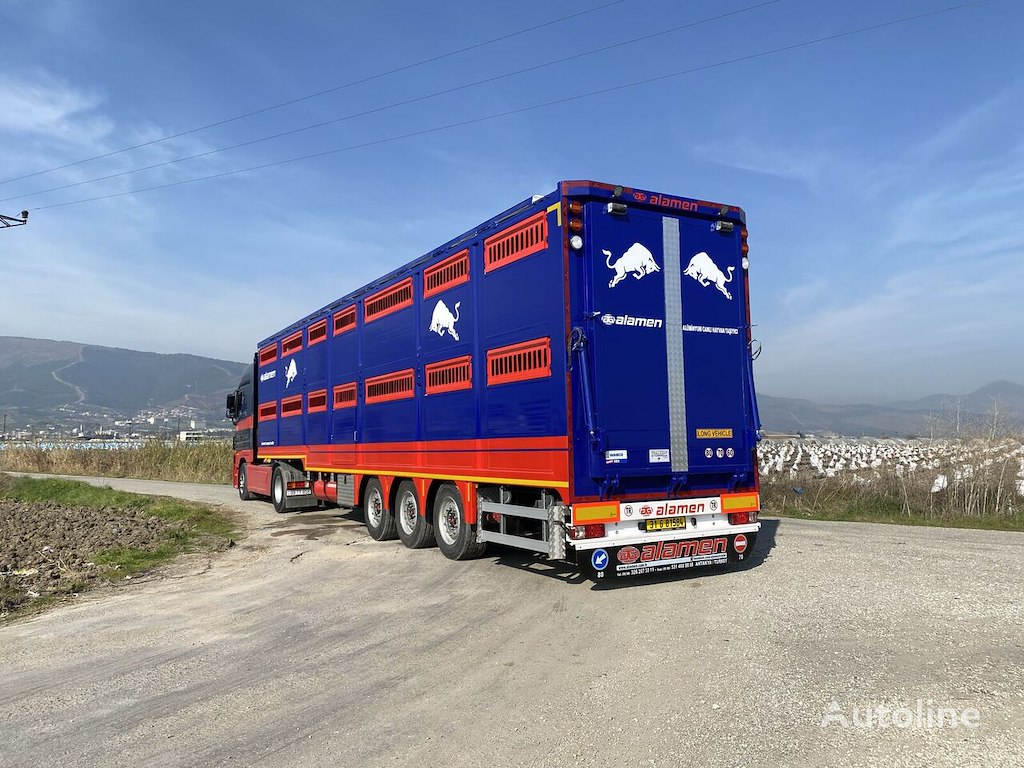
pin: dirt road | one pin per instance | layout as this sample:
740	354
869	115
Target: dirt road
312	645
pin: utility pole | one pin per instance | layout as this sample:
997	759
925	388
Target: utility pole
12	221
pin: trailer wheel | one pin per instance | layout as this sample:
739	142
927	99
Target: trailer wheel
380	522
414	529
243	483
278	495
455	537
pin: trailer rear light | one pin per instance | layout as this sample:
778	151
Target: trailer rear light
742	518
617	209
575	208
295	484
575	225
576	242
588	531
724	226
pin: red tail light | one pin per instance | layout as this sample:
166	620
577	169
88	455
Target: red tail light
742	518
298	484
588	531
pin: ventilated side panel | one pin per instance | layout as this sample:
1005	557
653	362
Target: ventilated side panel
391	386
449	375
292	344
517	242
345	320
316	333
519	362
316	401
389	300
291	406
446	274
268	411
345	396
268	354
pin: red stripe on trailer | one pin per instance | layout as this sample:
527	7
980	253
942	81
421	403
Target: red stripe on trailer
533	460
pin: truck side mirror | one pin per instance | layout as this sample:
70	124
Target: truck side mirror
230	407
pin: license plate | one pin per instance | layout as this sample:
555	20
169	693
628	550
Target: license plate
665	524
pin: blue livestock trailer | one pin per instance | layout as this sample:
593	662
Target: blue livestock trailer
571	377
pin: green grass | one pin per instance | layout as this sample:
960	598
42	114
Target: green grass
191	527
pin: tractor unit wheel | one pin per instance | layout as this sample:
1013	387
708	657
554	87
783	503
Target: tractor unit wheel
278	490
243	483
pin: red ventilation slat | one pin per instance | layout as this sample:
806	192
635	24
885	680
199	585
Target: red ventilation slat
345	320
446	274
389	300
291	406
292	344
316	333
449	375
316	401
391	386
268	354
268	411
345	396
519	362
517	242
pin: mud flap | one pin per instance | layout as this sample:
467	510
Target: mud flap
665	556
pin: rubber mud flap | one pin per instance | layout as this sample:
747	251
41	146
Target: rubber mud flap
659	556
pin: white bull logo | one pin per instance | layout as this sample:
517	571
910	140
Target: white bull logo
702	269
443	320
636	261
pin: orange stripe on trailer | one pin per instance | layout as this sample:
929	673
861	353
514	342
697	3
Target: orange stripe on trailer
599	512
740	502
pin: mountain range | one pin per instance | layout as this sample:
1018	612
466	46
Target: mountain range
59	381
55	381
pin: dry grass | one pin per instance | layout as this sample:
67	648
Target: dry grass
986	496
181	462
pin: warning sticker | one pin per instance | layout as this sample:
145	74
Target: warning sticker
711	434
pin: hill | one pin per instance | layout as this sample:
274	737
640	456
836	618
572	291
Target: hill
998	406
40	378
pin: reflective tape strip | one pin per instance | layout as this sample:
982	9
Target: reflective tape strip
740	502
598	512
674	345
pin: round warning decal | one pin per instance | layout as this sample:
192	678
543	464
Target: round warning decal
740	543
599	559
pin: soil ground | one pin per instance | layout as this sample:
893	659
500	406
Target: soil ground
48	549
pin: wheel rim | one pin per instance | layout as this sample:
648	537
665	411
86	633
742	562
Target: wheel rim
279	490
241	480
375	508
408	512
450	521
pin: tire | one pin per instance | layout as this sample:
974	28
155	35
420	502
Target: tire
414	529
278	490
455	537
243	483
380	521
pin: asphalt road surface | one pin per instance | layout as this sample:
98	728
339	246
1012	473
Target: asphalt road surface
310	644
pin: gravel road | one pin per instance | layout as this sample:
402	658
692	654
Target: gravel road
310	644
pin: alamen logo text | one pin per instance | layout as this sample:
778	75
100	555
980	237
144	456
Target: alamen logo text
640	322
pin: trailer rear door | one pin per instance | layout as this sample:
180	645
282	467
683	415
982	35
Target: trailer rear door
663	305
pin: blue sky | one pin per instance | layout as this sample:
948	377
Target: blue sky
882	173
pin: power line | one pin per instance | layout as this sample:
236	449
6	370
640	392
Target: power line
324	92
435	94
532	107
